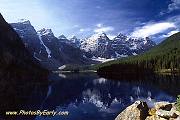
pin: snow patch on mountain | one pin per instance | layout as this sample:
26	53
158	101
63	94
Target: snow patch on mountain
47	49
102	60
92	43
120	55
134	53
34	55
46	32
62	67
23	21
121	46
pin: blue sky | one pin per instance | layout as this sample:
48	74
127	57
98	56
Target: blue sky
137	18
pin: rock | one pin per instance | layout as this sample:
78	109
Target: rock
178	118
137	111
159	105
166	110
154	117
167	107
166	114
140	111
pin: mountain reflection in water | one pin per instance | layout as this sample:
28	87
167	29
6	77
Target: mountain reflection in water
88	97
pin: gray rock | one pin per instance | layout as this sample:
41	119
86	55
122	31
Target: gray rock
140	111
159	105
137	111
166	114
166	110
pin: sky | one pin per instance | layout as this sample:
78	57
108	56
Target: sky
136	18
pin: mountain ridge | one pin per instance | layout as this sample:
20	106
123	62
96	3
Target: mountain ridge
121	46
50	51
14	55
47	48
164	56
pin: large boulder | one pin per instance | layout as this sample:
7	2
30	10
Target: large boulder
166	110
163	105
140	111
137	111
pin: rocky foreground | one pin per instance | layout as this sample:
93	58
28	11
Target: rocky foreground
140	111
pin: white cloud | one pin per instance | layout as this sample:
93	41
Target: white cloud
99	25
152	29
84	30
75	26
170	33
103	29
175	5
81	30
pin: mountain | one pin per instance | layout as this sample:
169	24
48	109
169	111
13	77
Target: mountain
61	51
121	46
75	41
33	43
53	52
50	51
19	72
62	37
16	61
14	56
28	34
98	45
163	57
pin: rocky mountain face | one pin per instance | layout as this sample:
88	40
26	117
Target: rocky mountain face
32	42
28	34
50	51
98	45
75	41
53	52
61	50
121	46
19	71
12	50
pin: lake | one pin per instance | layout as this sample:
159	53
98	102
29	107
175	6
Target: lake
86	96
89	97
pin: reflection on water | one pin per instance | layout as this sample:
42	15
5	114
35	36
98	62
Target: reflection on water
88	97
85	96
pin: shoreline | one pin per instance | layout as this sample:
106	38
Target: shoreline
68	71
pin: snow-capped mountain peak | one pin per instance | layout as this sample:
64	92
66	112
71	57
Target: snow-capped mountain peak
75	41
62	37
97	46
92	43
45	32
102	34
121	46
98	36
121	36
23	21
73	38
